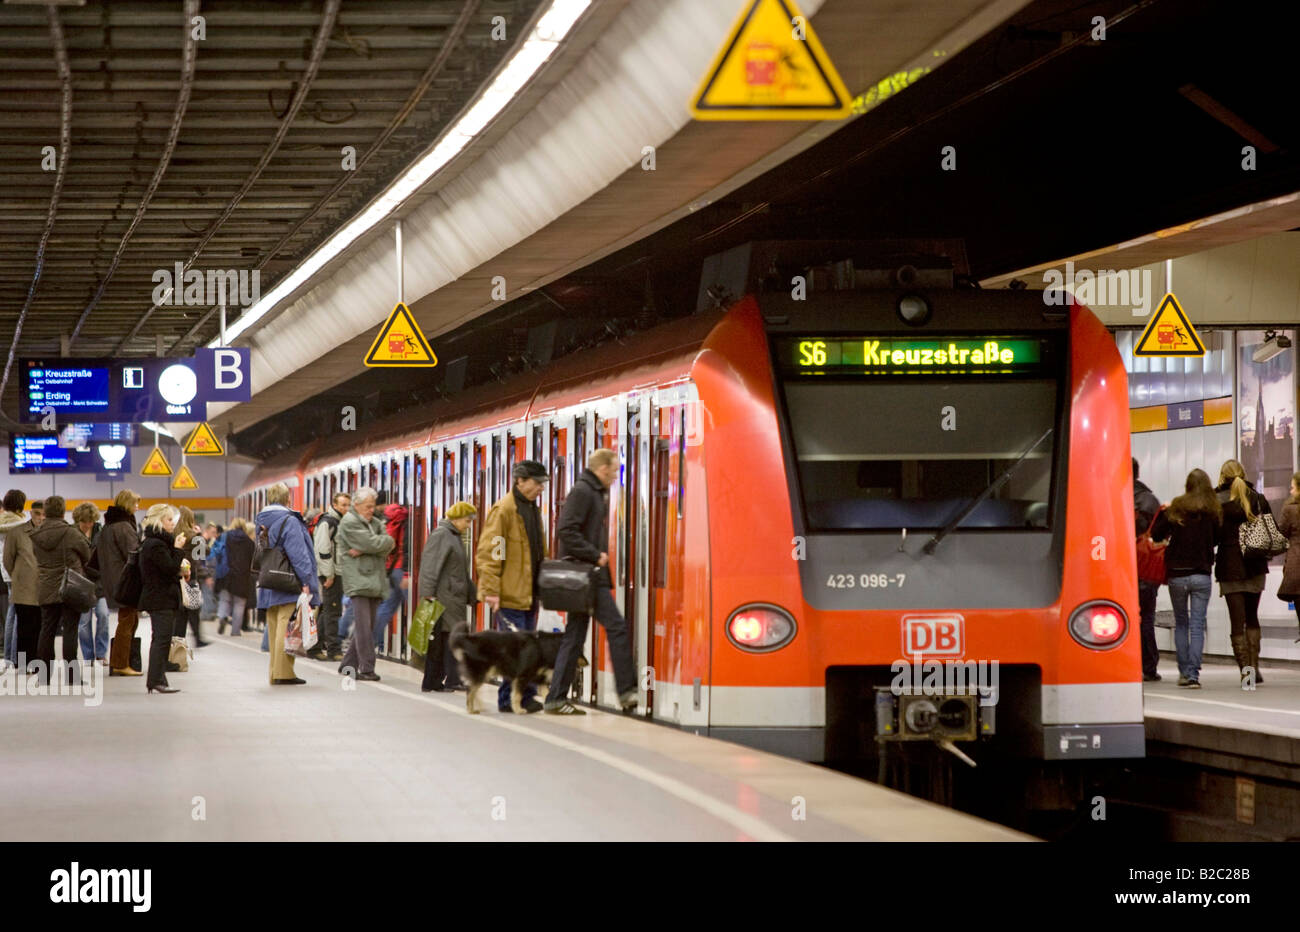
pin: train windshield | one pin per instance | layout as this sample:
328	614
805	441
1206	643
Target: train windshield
880	445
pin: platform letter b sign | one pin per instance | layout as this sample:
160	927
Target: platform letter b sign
227	374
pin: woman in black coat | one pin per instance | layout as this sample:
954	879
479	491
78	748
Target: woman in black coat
1241	578
161	554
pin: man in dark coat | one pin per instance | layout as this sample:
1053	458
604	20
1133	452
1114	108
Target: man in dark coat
1145	506
583	533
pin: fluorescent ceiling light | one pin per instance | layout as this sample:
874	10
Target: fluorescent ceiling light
546	36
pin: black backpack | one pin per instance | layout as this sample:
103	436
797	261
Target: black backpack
333	522
274	569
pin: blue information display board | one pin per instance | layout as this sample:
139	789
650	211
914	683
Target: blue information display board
67	389
83	435
42	453
135	390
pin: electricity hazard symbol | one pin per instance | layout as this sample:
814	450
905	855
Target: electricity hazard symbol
184	479
156	465
400	342
1169	333
203	442
771	67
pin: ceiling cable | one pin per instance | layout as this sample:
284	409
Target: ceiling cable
189	54
303	86
65	147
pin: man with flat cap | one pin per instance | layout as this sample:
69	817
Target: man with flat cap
510	552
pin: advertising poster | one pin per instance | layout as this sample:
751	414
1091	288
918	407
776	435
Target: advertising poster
1266	402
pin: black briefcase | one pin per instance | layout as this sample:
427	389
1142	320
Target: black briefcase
567	585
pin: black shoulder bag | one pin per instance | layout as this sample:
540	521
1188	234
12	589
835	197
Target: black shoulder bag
75	591
274	569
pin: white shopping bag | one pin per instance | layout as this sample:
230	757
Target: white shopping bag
307	620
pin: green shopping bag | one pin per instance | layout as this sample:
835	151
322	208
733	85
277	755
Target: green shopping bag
427	614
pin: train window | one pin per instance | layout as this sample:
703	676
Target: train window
464	468
890	454
538	449
659	515
496	462
681	464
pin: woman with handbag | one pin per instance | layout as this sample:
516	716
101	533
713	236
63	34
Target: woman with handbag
444	577
62	588
1289	590
161	555
1240	576
1191	525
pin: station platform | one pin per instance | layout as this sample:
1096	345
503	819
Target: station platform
1255	732
231	758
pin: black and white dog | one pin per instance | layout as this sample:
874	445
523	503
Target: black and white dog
525	657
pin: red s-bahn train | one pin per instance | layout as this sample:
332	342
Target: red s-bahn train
864	517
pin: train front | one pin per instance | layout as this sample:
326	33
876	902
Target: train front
920	527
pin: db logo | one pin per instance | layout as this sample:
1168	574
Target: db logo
934	634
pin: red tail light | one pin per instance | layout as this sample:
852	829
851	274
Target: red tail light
760	627
1099	625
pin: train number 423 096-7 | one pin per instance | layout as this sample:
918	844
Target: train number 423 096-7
864	580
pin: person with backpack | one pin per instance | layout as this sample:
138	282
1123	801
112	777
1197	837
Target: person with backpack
232	566
119	539
330	645
399	580
279	528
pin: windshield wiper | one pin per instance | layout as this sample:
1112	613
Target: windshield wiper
992	487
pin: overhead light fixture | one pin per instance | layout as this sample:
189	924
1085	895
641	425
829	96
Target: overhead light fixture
551	29
1274	343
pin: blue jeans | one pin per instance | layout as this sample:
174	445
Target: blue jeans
11	635
94	645
345	620
396	597
1189	626
515	619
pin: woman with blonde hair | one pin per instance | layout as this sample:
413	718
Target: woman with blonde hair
117	541
161	554
1241	578
1290	526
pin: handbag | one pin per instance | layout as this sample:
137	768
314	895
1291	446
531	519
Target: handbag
127	589
191	595
274	569
426	616
567	585
1261	537
180	654
1150	555
75	591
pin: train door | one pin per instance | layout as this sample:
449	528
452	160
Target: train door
479	491
633	543
560	456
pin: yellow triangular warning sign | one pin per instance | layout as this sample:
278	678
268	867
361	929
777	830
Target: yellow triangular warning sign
771	67
156	465
203	442
1169	333
184	479
400	342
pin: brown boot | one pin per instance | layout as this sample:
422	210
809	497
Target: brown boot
1252	644
1241	651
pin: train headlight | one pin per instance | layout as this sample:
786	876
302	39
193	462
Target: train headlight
914	310
1099	625
760	627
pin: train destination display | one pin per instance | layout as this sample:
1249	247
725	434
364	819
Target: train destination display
68	389
43	453
891	355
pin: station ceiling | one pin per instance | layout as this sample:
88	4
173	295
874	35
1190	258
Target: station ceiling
212	134
1062	145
